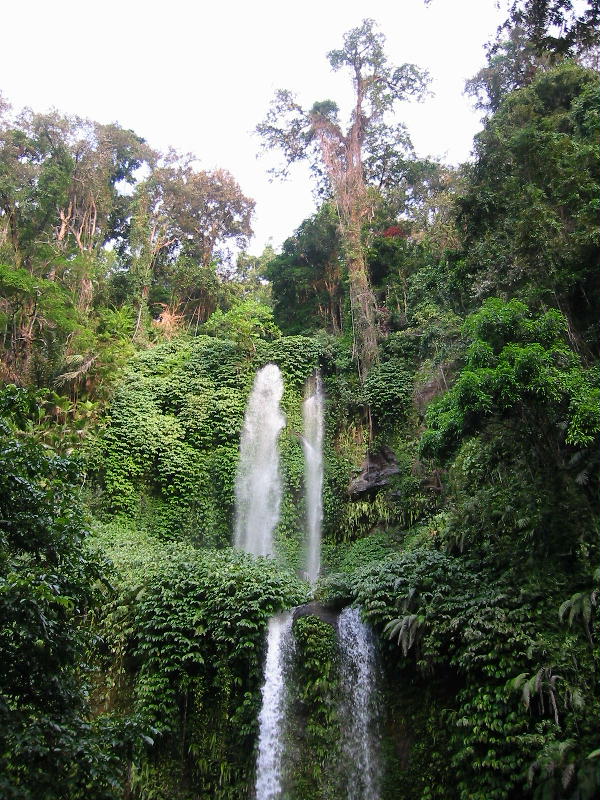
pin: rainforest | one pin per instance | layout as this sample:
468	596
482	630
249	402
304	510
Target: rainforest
320	523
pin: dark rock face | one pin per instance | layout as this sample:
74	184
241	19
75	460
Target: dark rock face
376	470
315	609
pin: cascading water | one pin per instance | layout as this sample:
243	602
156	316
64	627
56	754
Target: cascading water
312	442
269	761
258	498
359	706
258	485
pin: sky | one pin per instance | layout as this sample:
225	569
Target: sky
199	76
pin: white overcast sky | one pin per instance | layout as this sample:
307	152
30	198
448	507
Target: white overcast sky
198	76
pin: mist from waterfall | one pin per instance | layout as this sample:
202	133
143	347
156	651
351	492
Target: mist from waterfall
312	442
258	483
358	706
269	762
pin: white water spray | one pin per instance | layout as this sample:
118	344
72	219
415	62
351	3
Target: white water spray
312	442
358	676
258	484
269	761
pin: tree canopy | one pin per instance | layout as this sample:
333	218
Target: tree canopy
339	154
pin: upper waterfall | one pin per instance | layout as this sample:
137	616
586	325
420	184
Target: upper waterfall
312	442
258	483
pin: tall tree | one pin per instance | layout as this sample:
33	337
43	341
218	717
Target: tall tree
339	154
511	64
529	214
60	193
181	220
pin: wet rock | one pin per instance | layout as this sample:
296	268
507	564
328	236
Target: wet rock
316	609
376	471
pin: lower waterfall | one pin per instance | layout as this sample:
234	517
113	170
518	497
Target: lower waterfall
353	765
358	673
269	760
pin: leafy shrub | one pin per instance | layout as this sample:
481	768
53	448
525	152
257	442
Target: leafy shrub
374	548
48	583
312	767
388	391
518	367
186	633
296	356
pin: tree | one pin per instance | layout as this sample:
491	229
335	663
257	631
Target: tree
536	35
34	176
529	214
195	212
306	278
49	577
519	370
248	276
339	155
35	313
61	199
245	323
181	219
560	28
512	64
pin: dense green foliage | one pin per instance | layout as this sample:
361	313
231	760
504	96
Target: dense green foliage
49	748
306	278
184	638
174	430
313	726
530	215
170	450
515	682
131	658
521	371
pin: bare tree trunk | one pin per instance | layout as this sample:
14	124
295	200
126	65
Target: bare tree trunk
86	293
342	158
362	299
362	303
142	306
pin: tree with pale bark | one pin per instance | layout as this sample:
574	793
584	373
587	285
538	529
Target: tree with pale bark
340	155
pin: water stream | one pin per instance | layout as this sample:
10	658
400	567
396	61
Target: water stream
269	761
312	442
258	484
358	706
258	500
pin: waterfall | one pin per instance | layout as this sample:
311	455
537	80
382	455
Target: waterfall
258	498
269	761
312	442
258	485
358	706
